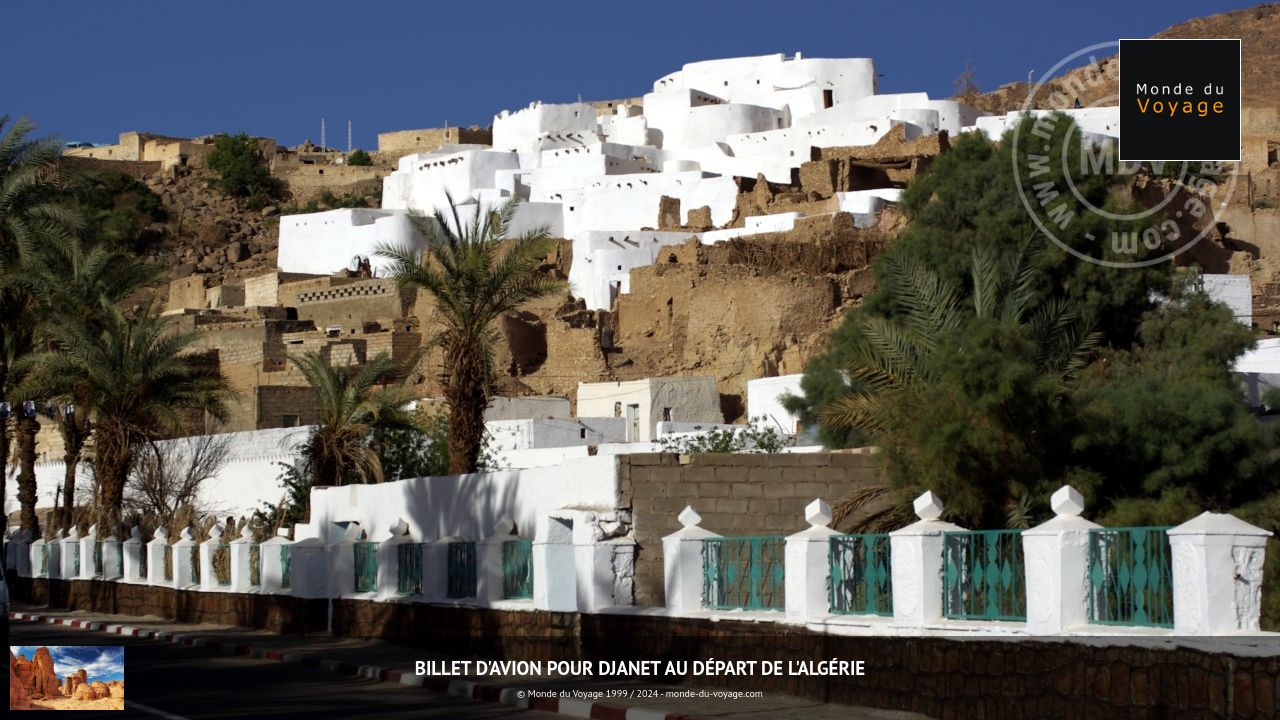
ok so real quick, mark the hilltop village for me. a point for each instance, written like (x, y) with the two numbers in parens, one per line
(713, 232)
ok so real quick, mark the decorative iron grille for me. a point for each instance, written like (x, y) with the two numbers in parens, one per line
(409, 569)
(366, 566)
(286, 567)
(861, 575)
(983, 575)
(255, 565)
(194, 564)
(168, 563)
(517, 569)
(220, 559)
(461, 574)
(1130, 577)
(97, 558)
(743, 573)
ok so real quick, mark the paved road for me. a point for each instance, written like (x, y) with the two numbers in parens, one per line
(178, 682)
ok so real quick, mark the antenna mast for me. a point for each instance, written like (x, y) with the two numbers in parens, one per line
(323, 147)
(348, 137)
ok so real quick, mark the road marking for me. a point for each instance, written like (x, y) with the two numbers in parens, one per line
(153, 711)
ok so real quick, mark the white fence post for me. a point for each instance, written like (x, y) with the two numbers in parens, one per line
(917, 564)
(70, 546)
(55, 555)
(1056, 558)
(341, 561)
(682, 563)
(555, 574)
(435, 569)
(808, 566)
(132, 550)
(183, 562)
(41, 564)
(271, 556)
(112, 568)
(156, 550)
(388, 584)
(87, 570)
(241, 574)
(310, 568)
(18, 554)
(208, 578)
(489, 561)
(1217, 575)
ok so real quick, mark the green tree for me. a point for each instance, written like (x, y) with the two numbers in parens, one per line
(984, 409)
(138, 380)
(476, 273)
(359, 158)
(69, 284)
(354, 402)
(242, 172)
(962, 392)
(116, 208)
(32, 212)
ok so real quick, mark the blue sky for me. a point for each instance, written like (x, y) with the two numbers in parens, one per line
(100, 662)
(88, 70)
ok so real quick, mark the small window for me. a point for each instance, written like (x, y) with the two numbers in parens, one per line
(617, 409)
(582, 433)
(666, 414)
(289, 421)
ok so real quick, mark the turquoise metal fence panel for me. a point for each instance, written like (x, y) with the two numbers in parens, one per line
(75, 561)
(743, 573)
(119, 560)
(409, 565)
(366, 564)
(194, 563)
(44, 561)
(517, 569)
(984, 577)
(255, 565)
(461, 576)
(861, 575)
(1130, 577)
(97, 558)
(168, 563)
(220, 559)
(286, 567)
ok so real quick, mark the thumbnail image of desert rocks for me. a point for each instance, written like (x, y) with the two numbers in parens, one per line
(33, 685)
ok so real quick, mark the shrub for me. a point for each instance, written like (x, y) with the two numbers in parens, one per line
(359, 158)
(241, 172)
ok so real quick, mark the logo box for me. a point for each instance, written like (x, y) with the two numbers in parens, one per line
(1180, 100)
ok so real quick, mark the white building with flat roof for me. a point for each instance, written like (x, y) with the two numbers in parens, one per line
(645, 403)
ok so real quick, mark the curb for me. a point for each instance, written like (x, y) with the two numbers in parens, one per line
(485, 692)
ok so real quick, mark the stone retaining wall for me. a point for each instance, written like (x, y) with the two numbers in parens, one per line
(940, 677)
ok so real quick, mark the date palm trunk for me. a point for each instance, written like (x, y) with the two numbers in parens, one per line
(112, 458)
(466, 392)
(27, 429)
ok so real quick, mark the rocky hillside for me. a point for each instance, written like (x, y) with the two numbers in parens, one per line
(1257, 27)
(209, 233)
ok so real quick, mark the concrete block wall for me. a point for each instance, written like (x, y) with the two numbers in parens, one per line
(735, 494)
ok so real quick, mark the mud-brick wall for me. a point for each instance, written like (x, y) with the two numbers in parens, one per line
(735, 494)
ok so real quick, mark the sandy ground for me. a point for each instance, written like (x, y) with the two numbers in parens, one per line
(112, 703)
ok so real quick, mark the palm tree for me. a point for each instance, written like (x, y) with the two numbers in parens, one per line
(899, 359)
(70, 282)
(476, 272)
(30, 213)
(354, 401)
(136, 379)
